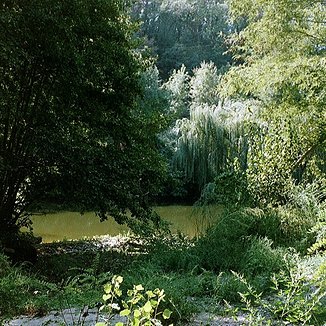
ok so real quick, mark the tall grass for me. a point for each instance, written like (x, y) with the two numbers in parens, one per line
(21, 292)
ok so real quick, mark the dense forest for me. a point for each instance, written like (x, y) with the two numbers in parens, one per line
(115, 106)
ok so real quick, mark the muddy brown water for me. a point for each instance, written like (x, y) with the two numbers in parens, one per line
(72, 225)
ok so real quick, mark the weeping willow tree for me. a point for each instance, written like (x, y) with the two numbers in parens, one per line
(213, 139)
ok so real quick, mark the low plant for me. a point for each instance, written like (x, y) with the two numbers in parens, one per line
(262, 258)
(227, 288)
(253, 303)
(319, 230)
(293, 298)
(22, 292)
(172, 253)
(90, 277)
(137, 307)
(4, 265)
(296, 300)
(177, 286)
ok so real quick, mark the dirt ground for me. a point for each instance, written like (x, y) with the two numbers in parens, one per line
(72, 317)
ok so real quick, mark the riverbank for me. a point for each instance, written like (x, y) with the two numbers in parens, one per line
(87, 315)
(243, 265)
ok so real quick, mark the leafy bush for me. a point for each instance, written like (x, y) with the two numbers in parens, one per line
(228, 287)
(239, 241)
(4, 265)
(294, 299)
(250, 239)
(138, 307)
(319, 230)
(178, 286)
(173, 253)
(22, 293)
(223, 246)
(261, 258)
(291, 227)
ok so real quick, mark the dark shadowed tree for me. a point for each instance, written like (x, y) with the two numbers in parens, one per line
(72, 128)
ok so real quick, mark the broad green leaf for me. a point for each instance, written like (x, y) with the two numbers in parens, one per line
(139, 287)
(167, 313)
(119, 279)
(107, 288)
(125, 312)
(106, 297)
(150, 294)
(119, 324)
(125, 305)
(137, 313)
(147, 307)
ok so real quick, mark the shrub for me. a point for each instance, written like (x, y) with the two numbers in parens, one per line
(178, 287)
(294, 299)
(240, 240)
(4, 265)
(223, 246)
(21, 293)
(228, 287)
(171, 253)
(261, 258)
(251, 239)
(138, 307)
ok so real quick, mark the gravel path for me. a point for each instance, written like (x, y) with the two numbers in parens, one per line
(70, 317)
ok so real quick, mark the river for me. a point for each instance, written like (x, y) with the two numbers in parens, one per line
(72, 225)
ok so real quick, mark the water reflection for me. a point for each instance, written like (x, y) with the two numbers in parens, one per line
(72, 225)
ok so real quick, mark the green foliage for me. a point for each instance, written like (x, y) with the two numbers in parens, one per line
(294, 298)
(236, 243)
(21, 293)
(227, 287)
(178, 87)
(229, 189)
(262, 258)
(139, 307)
(184, 32)
(281, 56)
(91, 266)
(319, 230)
(72, 84)
(252, 301)
(4, 265)
(89, 278)
(202, 85)
(252, 241)
(278, 156)
(213, 139)
(173, 253)
(318, 247)
(178, 286)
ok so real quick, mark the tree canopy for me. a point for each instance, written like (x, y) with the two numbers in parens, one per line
(72, 127)
(281, 56)
(261, 125)
(184, 32)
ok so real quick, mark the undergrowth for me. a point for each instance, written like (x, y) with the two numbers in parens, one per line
(253, 258)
